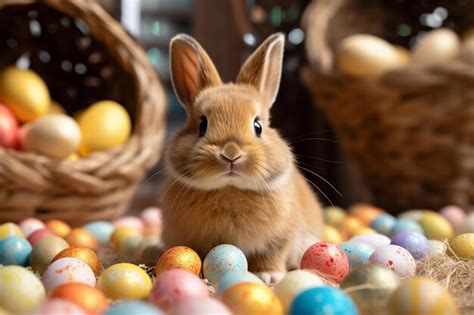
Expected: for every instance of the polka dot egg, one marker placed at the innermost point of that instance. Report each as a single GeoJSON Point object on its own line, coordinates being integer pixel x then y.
{"type": "Point", "coordinates": [326, 259]}
{"type": "Point", "coordinates": [221, 259]}
{"type": "Point", "coordinates": [396, 258]}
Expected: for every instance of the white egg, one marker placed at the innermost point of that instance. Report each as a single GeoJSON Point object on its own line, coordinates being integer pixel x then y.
{"type": "Point", "coordinates": [67, 270]}
{"type": "Point", "coordinates": [374, 239]}
{"type": "Point", "coordinates": [436, 46]}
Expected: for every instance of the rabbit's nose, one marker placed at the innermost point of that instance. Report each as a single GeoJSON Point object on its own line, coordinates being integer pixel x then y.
{"type": "Point", "coordinates": [231, 152]}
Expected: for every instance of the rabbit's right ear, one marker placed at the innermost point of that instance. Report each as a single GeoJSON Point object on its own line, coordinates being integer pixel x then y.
{"type": "Point", "coordinates": [191, 69]}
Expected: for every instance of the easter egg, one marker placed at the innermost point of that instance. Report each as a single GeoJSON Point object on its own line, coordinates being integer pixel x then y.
{"type": "Point", "coordinates": [9, 130]}
{"type": "Point", "coordinates": [376, 240]}
{"type": "Point", "coordinates": [436, 248]}
{"type": "Point", "coordinates": [131, 246]}
{"type": "Point", "coordinates": [179, 257]}
{"type": "Point", "coordinates": [66, 270]}
{"type": "Point", "coordinates": [435, 47]}
{"type": "Point", "coordinates": [421, 296]}
{"type": "Point", "coordinates": [54, 135]}
{"type": "Point", "coordinates": [124, 281]}
{"type": "Point", "coordinates": [327, 260]}
{"type": "Point", "coordinates": [331, 235]}
{"type": "Point", "coordinates": [379, 282]}
{"type": "Point", "coordinates": [25, 93]}
{"type": "Point", "coordinates": [365, 213]}
{"type": "Point", "coordinates": [31, 225]}
{"type": "Point", "coordinates": [453, 214]}
{"type": "Point", "coordinates": [20, 290]}
{"type": "Point", "coordinates": [82, 237]}
{"type": "Point", "coordinates": [252, 299]}
{"type": "Point", "coordinates": [358, 253]}
{"type": "Point", "coordinates": [58, 227]}
{"type": "Point", "coordinates": [152, 220]}
{"type": "Point", "coordinates": [396, 258]}
{"type": "Point", "coordinates": [323, 300]}
{"type": "Point", "coordinates": [436, 227]}
{"type": "Point", "coordinates": [44, 251]}
{"type": "Point", "coordinates": [333, 215]}
{"type": "Point", "coordinates": [34, 237]}
{"type": "Point", "coordinates": [121, 234]}
{"type": "Point", "coordinates": [294, 283]}
{"type": "Point", "coordinates": [59, 307]}
{"type": "Point", "coordinates": [102, 230]}
{"type": "Point", "coordinates": [363, 230]}
{"type": "Point", "coordinates": [463, 246]}
{"type": "Point", "coordinates": [130, 221]}
{"type": "Point", "coordinates": [384, 224]}
{"type": "Point", "coordinates": [406, 225]}
{"type": "Point", "coordinates": [15, 250]}
{"type": "Point", "coordinates": [84, 254]}
{"type": "Point", "coordinates": [231, 278]}
{"type": "Point", "coordinates": [412, 215]}
{"type": "Point", "coordinates": [174, 284]}
{"type": "Point", "coordinates": [88, 298]}
{"type": "Point", "coordinates": [198, 305]}
{"type": "Point", "coordinates": [55, 108]}
{"type": "Point", "coordinates": [467, 226]}
{"type": "Point", "coordinates": [221, 259]}
{"type": "Point", "coordinates": [10, 229]}
{"type": "Point", "coordinates": [104, 125]}
{"type": "Point", "coordinates": [348, 226]}
{"type": "Point", "coordinates": [133, 308]}
{"type": "Point", "coordinates": [415, 243]}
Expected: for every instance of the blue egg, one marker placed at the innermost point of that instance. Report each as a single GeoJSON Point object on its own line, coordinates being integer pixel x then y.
{"type": "Point", "coordinates": [322, 301]}
{"type": "Point", "coordinates": [357, 252]}
{"type": "Point", "coordinates": [133, 307]}
{"type": "Point", "coordinates": [222, 259]}
{"type": "Point", "coordinates": [15, 250]}
{"type": "Point", "coordinates": [414, 242]}
{"type": "Point", "coordinates": [384, 223]}
{"type": "Point", "coordinates": [406, 225]}
{"type": "Point", "coordinates": [236, 276]}
{"type": "Point", "coordinates": [102, 230]}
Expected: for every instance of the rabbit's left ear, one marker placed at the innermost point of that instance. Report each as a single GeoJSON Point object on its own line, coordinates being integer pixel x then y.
{"type": "Point", "coordinates": [263, 68]}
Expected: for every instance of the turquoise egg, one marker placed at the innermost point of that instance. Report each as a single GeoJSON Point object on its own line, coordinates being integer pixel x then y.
{"type": "Point", "coordinates": [357, 252]}
{"type": "Point", "coordinates": [15, 250]}
{"type": "Point", "coordinates": [384, 224]}
{"type": "Point", "coordinates": [102, 230]}
{"type": "Point", "coordinates": [236, 276]}
{"type": "Point", "coordinates": [222, 259]}
{"type": "Point", "coordinates": [133, 307]}
{"type": "Point", "coordinates": [406, 225]}
{"type": "Point", "coordinates": [323, 300]}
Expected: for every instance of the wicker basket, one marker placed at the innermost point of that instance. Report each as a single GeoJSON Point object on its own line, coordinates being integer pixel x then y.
{"type": "Point", "coordinates": [411, 131]}
{"type": "Point", "coordinates": [84, 55]}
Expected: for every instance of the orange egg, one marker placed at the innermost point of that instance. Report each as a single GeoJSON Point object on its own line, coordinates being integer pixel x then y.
{"type": "Point", "coordinates": [92, 300]}
{"type": "Point", "coordinates": [252, 299]}
{"type": "Point", "coordinates": [362, 230]}
{"type": "Point", "coordinates": [87, 255]}
{"type": "Point", "coordinates": [121, 234]}
{"type": "Point", "coordinates": [58, 227]}
{"type": "Point", "coordinates": [348, 226]}
{"type": "Point", "coordinates": [81, 237]}
{"type": "Point", "coordinates": [179, 257]}
{"type": "Point", "coordinates": [365, 213]}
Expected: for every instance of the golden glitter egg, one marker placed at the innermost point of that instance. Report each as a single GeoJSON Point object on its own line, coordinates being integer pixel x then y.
{"type": "Point", "coordinates": [330, 234]}
{"type": "Point", "coordinates": [85, 254]}
{"type": "Point", "coordinates": [121, 234]}
{"type": "Point", "coordinates": [90, 299]}
{"type": "Point", "coordinates": [252, 299]}
{"type": "Point", "coordinates": [365, 213]}
{"type": "Point", "coordinates": [58, 227]}
{"type": "Point", "coordinates": [82, 237]}
{"type": "Point", "coordinates": [179, 257]}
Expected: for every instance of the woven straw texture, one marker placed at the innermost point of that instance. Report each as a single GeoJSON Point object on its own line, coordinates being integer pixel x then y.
{"type": "Point", "coordinates": [84, 55]}
{"type": "Point", "coordinates": [410, 131]}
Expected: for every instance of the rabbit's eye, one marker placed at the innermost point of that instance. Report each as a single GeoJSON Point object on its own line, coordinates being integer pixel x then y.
{"type": "Point", "coordinates": [257, 127]}
{"type": "Point", "coordinates": [202, 126]}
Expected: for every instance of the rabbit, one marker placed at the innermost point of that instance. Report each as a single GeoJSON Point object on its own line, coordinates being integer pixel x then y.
{"type": "Point", "coordinates": [231, 177]}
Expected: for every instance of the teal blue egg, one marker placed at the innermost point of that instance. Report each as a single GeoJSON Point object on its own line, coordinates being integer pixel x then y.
{"type": "Point", "coordinates": [236, 276]}
{"type": "Point", "coordinates": [102, 230]}
{"type": "Point", "coordinates": [406, 225]}
{"type": "Point", "coordinates": [384, 224]}
{"type": "Point", "coordinates": [357, 252]}
{"type": "Point", "coordinates": [133, 307]}
{"type": "Point", "coordinates": [15, 250]}
{"type": "Point", "coordinates": [322, 301]}
{"type": "Point", "coordinates": [222, 259]}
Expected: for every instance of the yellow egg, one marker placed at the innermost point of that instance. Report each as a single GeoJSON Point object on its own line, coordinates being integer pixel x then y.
{"type": "Point", "coordinates": [437, 46]}
{"type": "Point", "coordinates": [403, 54]}
{"type": "Point", "coordinates": [463, 245]}
{"type": "Point", "coordinates": [104, 125]}
{"type": "Point", "coordinates": [252, 299]}
{"type": "Point", "coordinates": [330, 234]}
{"type": "Point", "coordinates": [10, 229]}
{"type": "Point", "coordinates": [333, 215]}
{"type": "Point", "coordinates": [362, 230]}
{"type": "Point", "coordinates": [121, 234]}
{"type": "Point", "coordinates": [435, 226]}
{"type": "Point", "coordinates": [124, 281]}
{"type": "Point", "coordinates": [25, 93]}
{"type": "Point", "coordinates": [348, 226]}
{"type": "Point", "coordinates": [73, 157]}
{"type": "Point", "coordinates": [179, 257]}
{"type": "Point", "coordinates": [55, 108]}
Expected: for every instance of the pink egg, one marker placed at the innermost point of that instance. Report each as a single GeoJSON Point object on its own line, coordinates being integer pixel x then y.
{"type": "Point", "coordinates": [67, 270]}
{"type": "Point", "coordinates": [176, 284]}
{"type": "Point", "coordinates": [31, 225]}
{"type": "Point", "coordinates": [453, 214]}
{"type": "Point", "coordinates": [326, 259]}
{"type": "Point", "coordinates": [59, 306]}
{"type": "Point", "coordinates": [39, 234]}
{"type": "Point", "coordinates": [374, 239]}
{"type": "Point", "coordinates": [198, 305]}
{"type": "Point", "coordinates": [130, 221]}
{"type": "Point", "coordinates": [151, 217]}
{"type": "Point", "coordinates": [396, 258]}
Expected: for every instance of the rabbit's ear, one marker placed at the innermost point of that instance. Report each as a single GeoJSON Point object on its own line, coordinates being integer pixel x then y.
{"type": "Point", "coordinates": [263, 68]}
{"type": "Point", "coordinates": [191, 69]}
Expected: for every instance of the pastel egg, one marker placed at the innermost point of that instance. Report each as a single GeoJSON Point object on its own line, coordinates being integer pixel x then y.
{"type": "Point", "coordinates": [44, 251]}
{"type": "Point", "coordinates": [406, 225]}
{"type": "Point", "coordinates": [84, 254]}
{"type": "Point", "coordinates": [333, 215]}
{"type": "Point", "coordinates": [327, 260]}
{"type": "Point", "coordinates": [396, 258]}
{"type": "Point", "coordinates": [152, 220]}
{"type": "Point", "coordinates": [436, 46]}
{"type": "Point", "coordinates": [124, 281]}
{"type": "Point", "coordinates": [131, 246]}
{"type": "Point", "coordinates": [9, 130]}
{"type": "Point", "coordinates": [463, 246]}
{"type": "Point", "coordinates": [221, 259]}
{"type": "Point", "coordinates": [348, 226]}
{"type": "Point", "coordinates": [59, 306]}
{"type": "Point", "coordinates": [293, 284]}
{"type": "Point", "coordinates": [384, 224]}
{"type": "Point", "coordinates": [31, 225]}
{"type": "Point", "coordinates": [376, 240]}
{"type": "Point", "coordinates": [412, 215]}
{"type": "Point", "coordinates": [82, 237]}
{"type": "Point", "coordinates": [130, 221]}
{"type": "Point", "coordinates": [88, 298]}
{"type": "Point", "coordinates": [357, 252]}
{"type": "Point", "coordinates": [198, 305]}
{"type": "Point", "coordinates": [379, 282]}
{"type": "Point", "coordinates": [436, 227]}
{"type": "Point", "coordinates": [39, 234]}
{"type": "Point", "coordinates": [179, 257]}
{"type": "Point", "coordinates": [363, 230]}
{"type": "Point", "coordinates": [330, 234]}
{"type": "Point", "coordinates": [231, 278]}
{"type": "Point", "coordinates": [15, 250]}
{"type": "Point", "coordinates": [102, 230]}
{"type": "Point", "coordinates": [174, 284]}
{"type": "Point", "coordinates": [252, 299]}
{"type": "Point", "coordinates": [365, 213]}
{"type": "Point", "coordinates": [421, 296]}
{"type": "Point", "coordinates": [20, 290]}
{"type": "Point", "coordinates": [467, 226]}
{"type": "Point", "coordinates": [414, 242]}
{"type": "Point", "coordinates": [66, 270]}
{"type": "Point", "coordinates": [10, 229]}
{"type": "Point", "coordinates": [121, 234]}
{"type": "Point", "coordinates": [133, 307]}
{"type": "Point", "coordinates": [436, 248]}
{"type": "Point", "coordinates": [323, 300]}
{"type": "Point", "coordinates": [58, 227]}
{"type": "Point", "coordinates": [454, 214]}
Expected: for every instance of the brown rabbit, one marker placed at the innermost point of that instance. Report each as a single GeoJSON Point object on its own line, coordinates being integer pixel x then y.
{"type": "Point", "coordinates": [231, 177]}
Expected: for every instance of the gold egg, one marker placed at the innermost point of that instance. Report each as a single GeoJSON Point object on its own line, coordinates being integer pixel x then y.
{"type": "Point", "coordinates": [252, 299]}
{"type": "Point", "coordinates": [348, 225]}
{"type": "Point", "coordinates": [82, 237]}
{"type": "Point", "coordinates": [58, 227]}
{"type": "Point", "coordinates": [121, 234]}
{"type": "Point", "coordinates": [85, 254]}
{"type": "Point", "coordinates": [179, 257]}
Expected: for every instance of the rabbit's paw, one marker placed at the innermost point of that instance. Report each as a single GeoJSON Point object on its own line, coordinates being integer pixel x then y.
{"type": "Point", "coordinates": [271, 277]}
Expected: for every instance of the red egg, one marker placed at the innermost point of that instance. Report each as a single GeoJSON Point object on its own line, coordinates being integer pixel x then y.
{"type": "Point", "coordinates": [8, 128]}
{"type": "Point", "coordinates": [326, 259]}
{"type": "Point", "coordinates": [37, 235]}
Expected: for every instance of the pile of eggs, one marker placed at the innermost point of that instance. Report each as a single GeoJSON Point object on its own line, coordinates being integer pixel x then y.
{"type": "Point", "coordinates": [367, 259]}
{"type": "Point", "coordinates": [31, 121]}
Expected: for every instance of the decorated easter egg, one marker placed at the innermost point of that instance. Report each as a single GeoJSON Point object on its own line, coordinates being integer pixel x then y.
{"type": "Point", "coordinates": [294, 283]}
{"type": "Point", "coordinates": [124, 281]}
{"type": "Point", "coordinates": [84, 254]}
{"type": "Point", "coordinates": [131, 246]}
{"type": "Point", "coordinates": [412, 215]}
{"type": "Point", "coordinates": [10, 229]}
{"type": "Point", "coordinates": [323, 300]}
{"type": "Point", "coordinates": [414, 242]}
{"type": "Point", "coordinates": [20, 290]}
{"type": "Point", "coordinates": [358, 253]}
{"type": "Point", "coordinates": [333, 215]}
{"type": "Point", "coordinates": [384, 224]}
{"type": "Point", "coordinates": [31, 225]}
{"type": "Point", "coordinates": [252, 299]}
{"type": "Point", "coordinates": [82, 237]}
{"type": "Point", "coordinates": [396, 258]}
{"type": "Point", "coordinates": [231, 278]}
{"type": "Point", "coordinates": [44, 251]}
{"type": "Point", "coordinates": [121, 234]}
{"type": "Point", "coordinates": [179, 257]}
{"type": "Point", "coordinates": [66, 270]}
{"type": "Point", "coordinates": [221, 259]}
{"type": "Point", "coordinates": [58, 227]}
{"type": "Point", "coordinates": [198, 305]}
{"type": "Point", "coordinates": [102, 230]}
{"type": "Point", "coordinates": [467, 226]}
{"type": "Point", "coordinates": [9, 130]}
{"type": "Point", "coordinates": [34, 237]}
{"type": "Point", "coordinates": [454, 214]}
{"type": "Point", "coordinates": [130, 221]}
{"type": "Point", "coordinates": [15, 250]}
{"type": "Point", "coordinates": [436, 248]}
{"type": "Point", "coordinates": [463, 245]}
{"type": "Point", "coordinates": [88, 298]}
{"type": "Point", "coordinates": [366, 213]}
{"type": "Point", "coordinates": [331, 235]}
{"type": "Point", "coordinates": [59, 307]}
{"type": "Point", "coordinates": [421, 296]}
{"type": "Point", "coordinates": [326, 259]}
{"type": "Point", "coordinates": [363, 230]}
{"type": "Point", "coordinates": [436, 46]}
{"type": "Point", "coordinates": [133, 307]}
{"type": "Point", "coordinates": [174, 284]}
{"type": "Point", "coordinates": [379, 282]}
{"type": "Point", "coordinates": [348, 226]}
{"type": "Point", "coordinates": [376, 240]}
{"type": "Point", "coordinates": [406, 225]}
{"type": "Point", "coordinates": [152, 220]}
{"type": "Point", "coordinates": [436, 227]}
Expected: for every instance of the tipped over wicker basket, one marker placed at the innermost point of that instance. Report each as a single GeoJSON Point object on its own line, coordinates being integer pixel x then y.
{"type": "Point", "coordinates": [84, 55]}
{"type": "Point", "coordinates": [410, 131]}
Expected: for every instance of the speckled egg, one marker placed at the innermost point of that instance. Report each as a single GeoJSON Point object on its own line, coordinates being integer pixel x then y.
{"type": "Point", "coordinates": [121, 234]}
{"type": "Point", "coordinates": [90, 299]}
{"type": "Point", "coordinates": [293, 284]}
{"type": "Point", "coordinates": [231, 278]}
{"type": "Point", "coordinates": [333, 215]}
{"type": "Point", "coordinates": [221, 259]}
{"type": "Point", "coordinates": [82, 237]}
{"type": "Point", "coordinates": [252, 299]}
{"type": "Point", "coordinates": [414, 242]}
{"type": "Point", "coordinates": [84, 254]}
{"type": "Point", "coordinates": [174, 284]}
{"type": "Point", "coordinates": [384, 224]}
{"type": "Point", "coordinates": [58, 227]}
{"type": "Point", "coordinates": [15, 250]}
{"type": "Point", "coordinates": [102, 230]}
{"type": "Point", "coordinates": [421, 296]}
{"type": "Point", "coordinates": [436, 248]}
{"type": "Point", "coordinates": [436, 227]}
{"type": "Point", "coordinates": [124, 281]}
{"type": "Point", "coordinates": [131, 222]}
{"type": "Point", "coordinates": [365, 213]}
{"type": "Point", "coordinates": [10, 229]}
{"type": "Point", "coordinates": [66, 270]}
{"type": "Point", "coordinates": [323, 300]}
{"type": "Point", "coordinates": [59, 307]}
{"type": "Point", "coordinates": [30, 225]}
{"type": "Point", "coordinates": [20, 290]}
{"type": "Point", "coordinates": [379, 281]}
{"type": "Point", "coordinates": [34, 237]}
{"type": "Point", "coordinates": [467, 226]}
{"type": "Point", "coordinates": [376, 240]}
{"type": "Point", "coordinates": [396, 258]}
{"type": "Point", "coordinates": [133, 308]}
{"type": "Point", "coordinates": [463, 245]}
{"type": "Point", "coordinates": [331, 234]}
{"type": "Point", "coordinates": [44, 251]}
{"type": "Point", "coordinates": [326, 259]}
{"type": "Point", "coordinates": [179, 257]}
{"type": "Point", "coordinates": [406, 225]}
{"type": "Point", "coordinates": [357, 252]}
{"type": "Point", "coordinates": [454, 214]}
{"type": "Point", "coordinates": [198, 305]}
